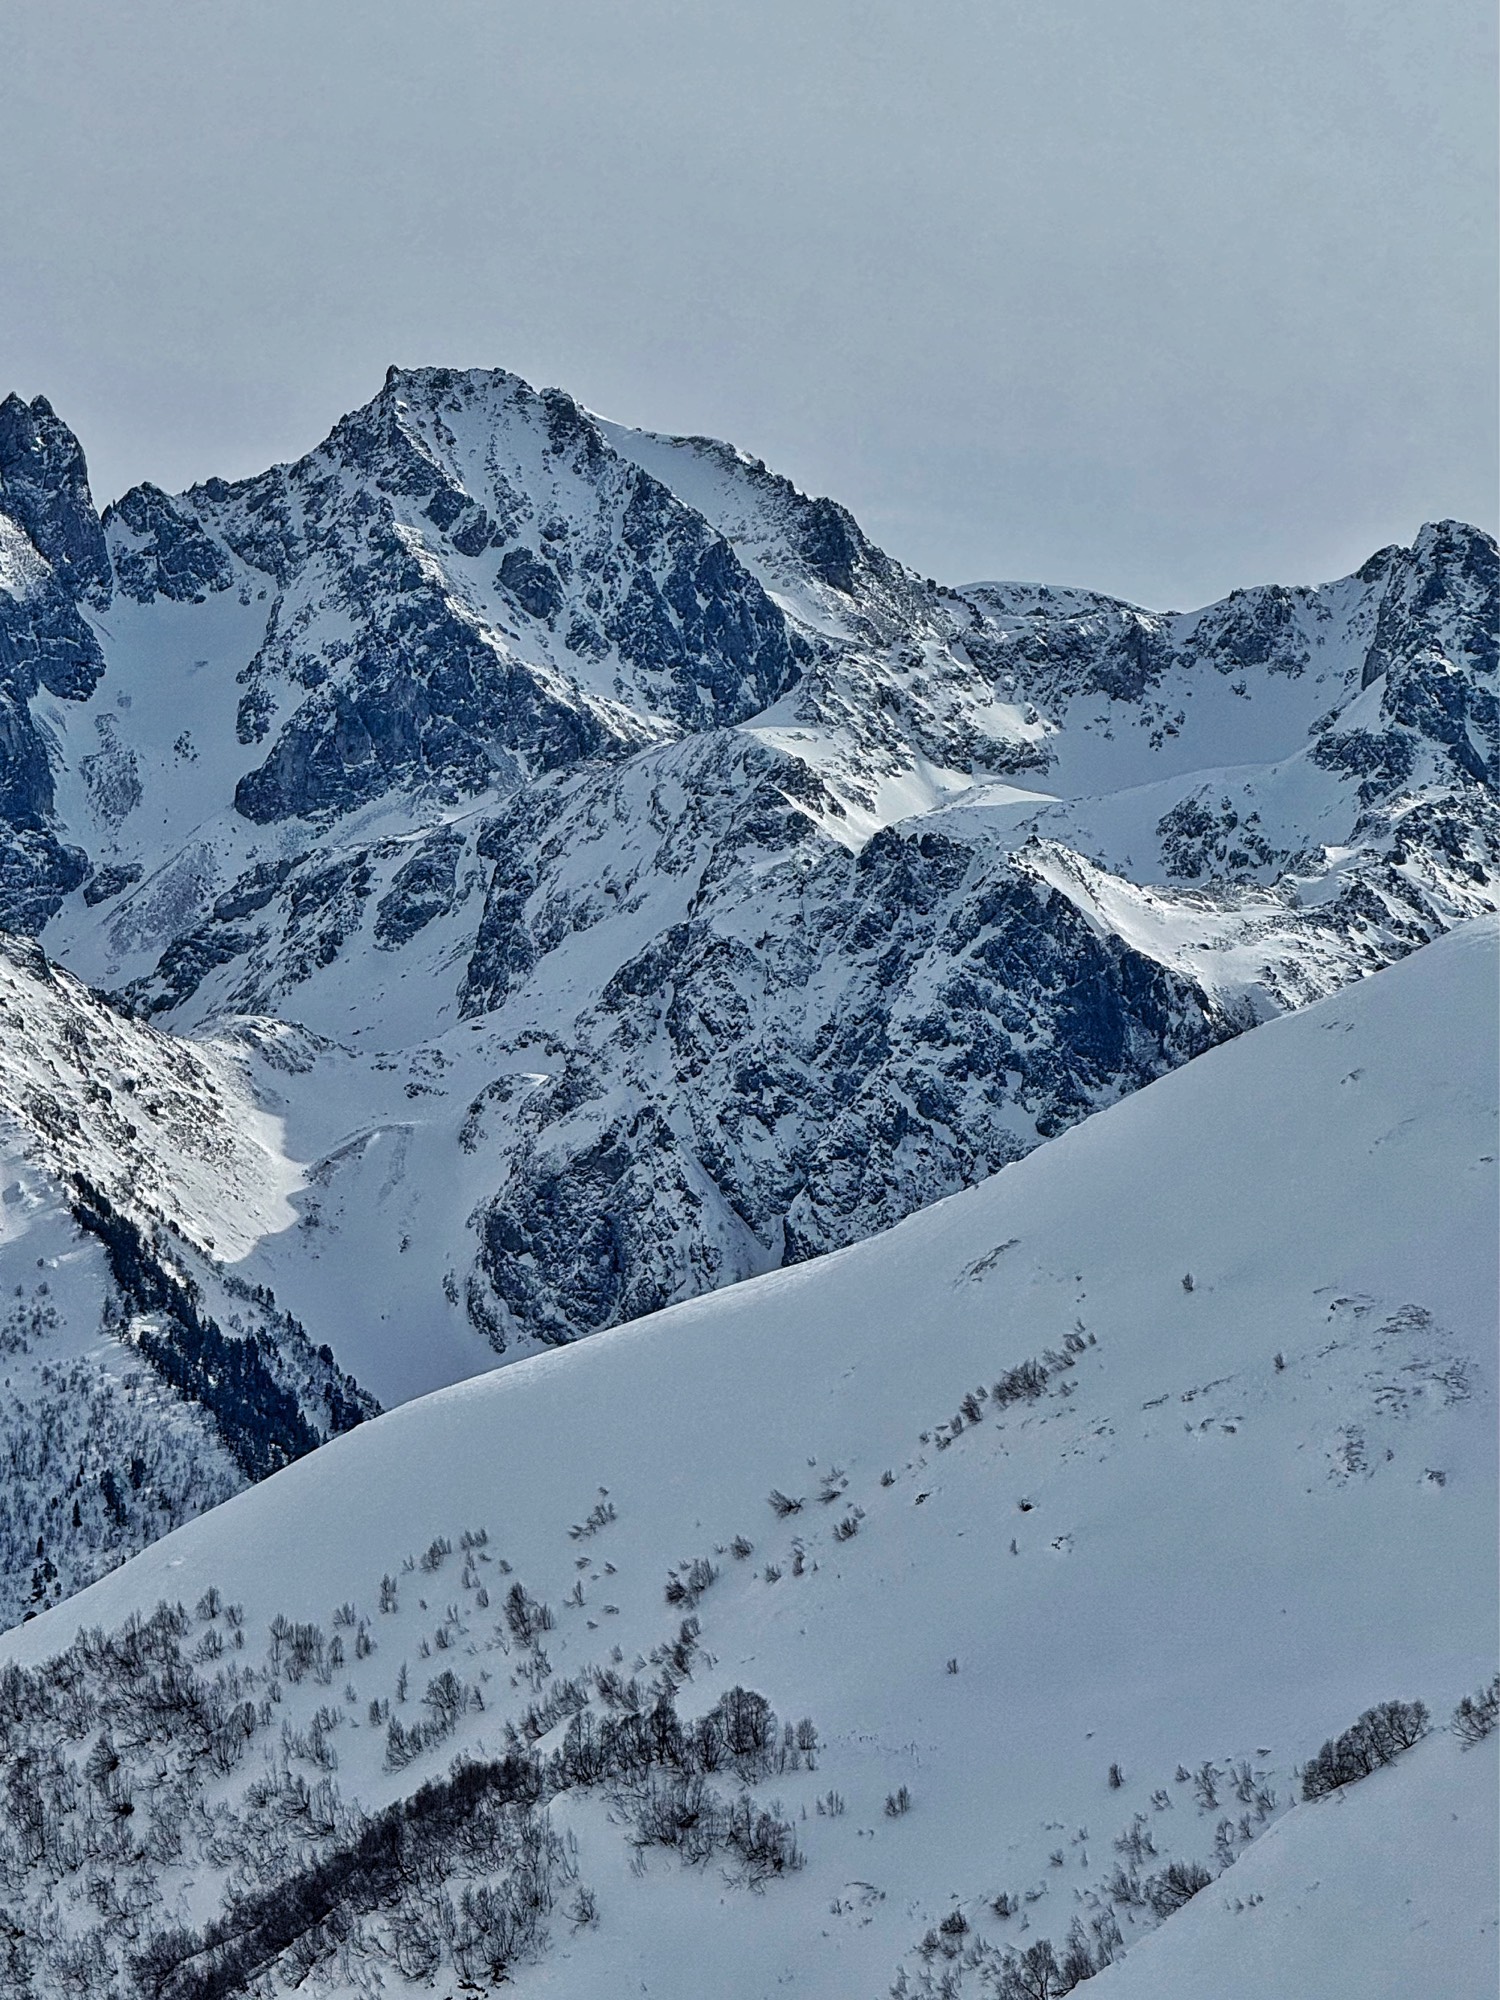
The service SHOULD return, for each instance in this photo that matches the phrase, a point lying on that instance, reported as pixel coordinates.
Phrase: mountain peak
(44, 488)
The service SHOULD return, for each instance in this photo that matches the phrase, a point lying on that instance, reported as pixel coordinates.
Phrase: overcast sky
(1160, 296)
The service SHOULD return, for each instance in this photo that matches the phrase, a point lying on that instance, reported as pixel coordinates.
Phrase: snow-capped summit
(471, 589)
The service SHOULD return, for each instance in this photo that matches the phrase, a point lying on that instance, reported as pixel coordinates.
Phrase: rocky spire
(44, 488)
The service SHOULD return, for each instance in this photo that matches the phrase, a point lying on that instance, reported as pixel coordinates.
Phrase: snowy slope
(1415, 1842)
(1239, 1512)
(144, 1378)
(157, 1122)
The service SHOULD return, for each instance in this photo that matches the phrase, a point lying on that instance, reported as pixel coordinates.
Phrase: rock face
(671, 884)
(44, 488)
(52, 561)
(451, 569)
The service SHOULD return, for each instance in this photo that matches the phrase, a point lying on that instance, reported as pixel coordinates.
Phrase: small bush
(525, 1616)
(897, 1803)
(1033, 1974)
(1136, 1840)
(1177, 1884)
(765, 1842)
(598, 1517)
(584, 1910)
(1477, 1714)
(1022, 1384)
(686, 1589)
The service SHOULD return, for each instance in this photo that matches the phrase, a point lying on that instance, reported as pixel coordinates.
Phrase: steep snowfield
(160, 1124)
(1255, 1495)
(1388, 1887)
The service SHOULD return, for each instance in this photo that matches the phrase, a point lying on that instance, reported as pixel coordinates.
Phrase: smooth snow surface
(1245, 1512)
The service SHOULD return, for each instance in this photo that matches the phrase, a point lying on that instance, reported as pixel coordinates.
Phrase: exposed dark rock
(37, 871)
(44, 487)
(532, 583)
(421, 890)
(167, 553)
(109, 881)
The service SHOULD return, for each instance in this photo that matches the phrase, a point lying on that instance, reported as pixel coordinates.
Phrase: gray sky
(1161, 296)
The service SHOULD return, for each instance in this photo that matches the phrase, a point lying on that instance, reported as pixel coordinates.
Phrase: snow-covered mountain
(589, 872)
(145, 1378)
(1073, 1514)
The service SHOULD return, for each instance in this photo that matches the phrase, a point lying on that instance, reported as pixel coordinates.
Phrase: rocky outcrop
(52, 558)
(44, 488)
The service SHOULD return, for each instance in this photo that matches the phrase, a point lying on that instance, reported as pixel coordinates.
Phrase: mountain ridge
(613, 876)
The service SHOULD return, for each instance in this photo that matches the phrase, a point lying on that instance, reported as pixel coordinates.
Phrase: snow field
(1218, 1559)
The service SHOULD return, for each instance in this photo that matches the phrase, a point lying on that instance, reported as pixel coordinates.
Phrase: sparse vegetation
(599, 1516)
(1022, 1384)
(683, 1589)
(110, 1746)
